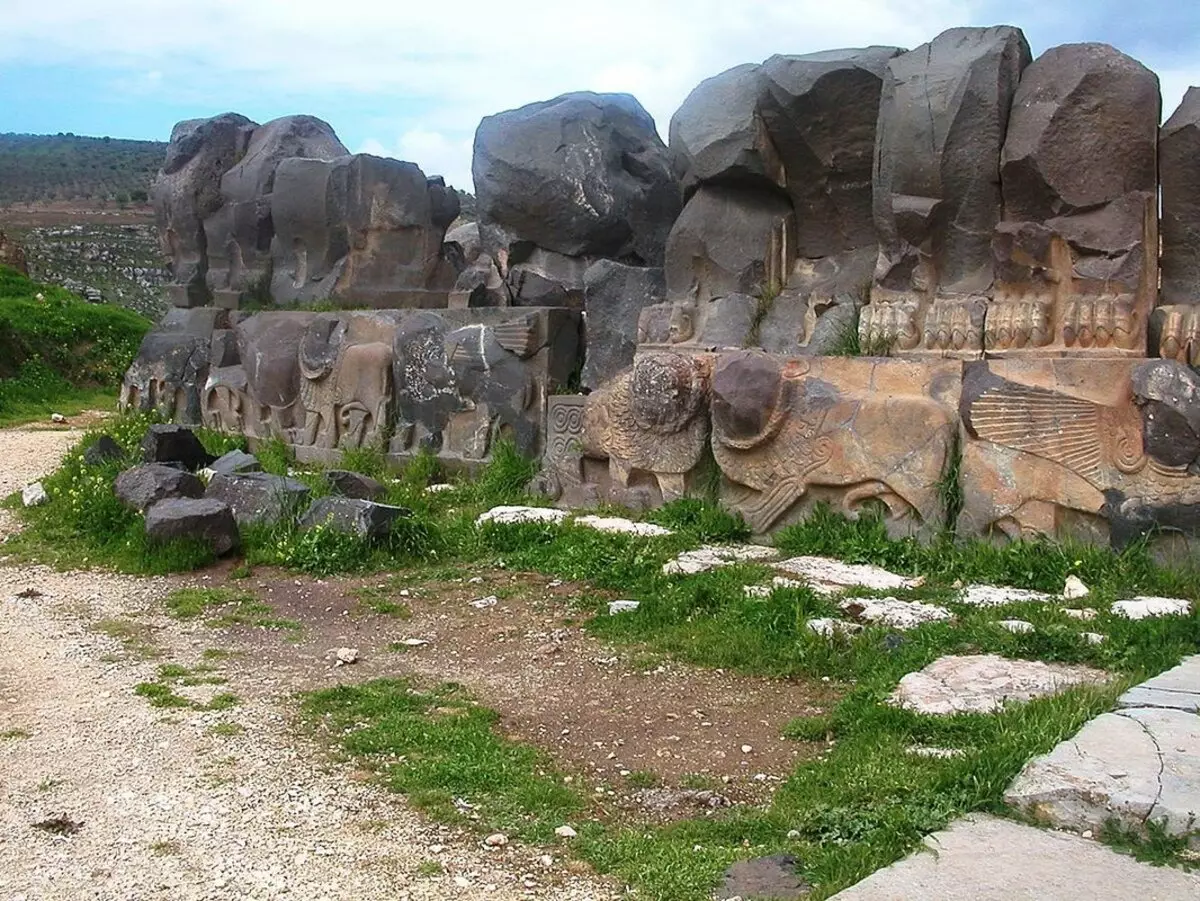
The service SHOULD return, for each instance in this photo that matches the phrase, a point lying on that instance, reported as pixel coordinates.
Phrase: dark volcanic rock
(821, 111)
(943, 116)
(269, 348)
(172, 364)
(202, 519)
(143, 486)
(614, 297)
(235, 462)
(188, 190)
(259, 497)
(360, 228)
(728, 241)
(582, 174)
(174, 444)
(355, 485)
(238, 235)
(104, 450)
(1081, 156)
(354, 516)
(718, 135)
(1169, 394)
(1179, 172)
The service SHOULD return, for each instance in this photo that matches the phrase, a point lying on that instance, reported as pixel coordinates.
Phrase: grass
(161, 692)
(135, 638)
(229, 608)
(226, 729)
(58, 353)
(429, 868)
(15, 735)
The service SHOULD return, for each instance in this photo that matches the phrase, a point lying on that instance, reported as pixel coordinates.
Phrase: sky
(412, 78)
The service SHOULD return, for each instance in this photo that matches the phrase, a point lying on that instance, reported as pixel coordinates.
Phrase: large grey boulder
(718, 135)
(943, 117)
(821, 112)
(355, 485)
(728, 241)
(1179, 173)
(259, 497)
(188, 190)
(140, 487)
(365, 519)
(614, 297)
(363, 229)
(170, 443)
(583, 175)
(235, 462)
(202, 519)
(238, 235)
(1080, 156)
(543, 278)
(269, 348)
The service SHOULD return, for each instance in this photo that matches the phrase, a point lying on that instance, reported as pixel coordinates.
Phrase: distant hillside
(65, 167)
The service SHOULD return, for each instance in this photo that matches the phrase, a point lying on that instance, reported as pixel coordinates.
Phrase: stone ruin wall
(861, 277)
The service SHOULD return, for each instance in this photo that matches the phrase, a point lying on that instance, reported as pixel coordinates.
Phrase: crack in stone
(1162, 764)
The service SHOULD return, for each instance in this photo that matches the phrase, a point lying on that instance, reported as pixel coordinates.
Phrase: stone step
(984, 858)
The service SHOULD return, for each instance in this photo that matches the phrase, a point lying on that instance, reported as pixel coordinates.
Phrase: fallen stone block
(893, 613)
(355, 484)
(235, 462)
(34, 495)
(354, 516)
(513, 515)
(713, 556)
(999, 596)
(1142, 607)
(174, 444)
(983, 683)
(828, 576)
(1177, 689)
(104, 450)
(140, 487)
(201, 519)
(259, 497)
(621, 526)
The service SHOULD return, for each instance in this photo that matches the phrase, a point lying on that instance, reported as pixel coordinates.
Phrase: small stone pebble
(496, 840)
(565, 832)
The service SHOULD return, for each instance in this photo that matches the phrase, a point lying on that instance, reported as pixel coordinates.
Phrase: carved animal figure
(346, 390)
(778, 430)
(651, 419)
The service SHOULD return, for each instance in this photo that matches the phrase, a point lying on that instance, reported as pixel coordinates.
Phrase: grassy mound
(57, 352)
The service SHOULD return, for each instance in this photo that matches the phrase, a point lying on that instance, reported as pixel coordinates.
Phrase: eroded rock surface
(983, 683)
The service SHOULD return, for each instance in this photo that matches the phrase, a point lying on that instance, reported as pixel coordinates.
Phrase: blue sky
(411, 78)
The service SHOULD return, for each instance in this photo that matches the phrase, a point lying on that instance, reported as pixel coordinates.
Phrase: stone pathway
(983, 858)
(1139, 763)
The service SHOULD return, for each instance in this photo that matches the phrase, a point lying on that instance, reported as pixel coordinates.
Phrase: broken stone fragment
(142, 486)
(365, 519)
(206, 520)
(259, 497)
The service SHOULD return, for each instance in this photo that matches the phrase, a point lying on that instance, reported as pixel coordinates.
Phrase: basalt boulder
(821, 112)
(238, 235)
(140, 487)
(202, 519)
(943, 117)
(729, 240)
(259, 497)
(718, 135)
(169, 443)
(1179, 171)
(582, 175)
(363, 518)
(172, 364)
(188, 190)
(614, 297)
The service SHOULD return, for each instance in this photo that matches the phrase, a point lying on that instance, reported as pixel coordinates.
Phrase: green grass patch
(59, 353)
(14, 735)
(436, 746)
(161, 692)
(228, 606)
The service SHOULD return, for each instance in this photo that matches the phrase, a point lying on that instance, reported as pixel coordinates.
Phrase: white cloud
(432, 70)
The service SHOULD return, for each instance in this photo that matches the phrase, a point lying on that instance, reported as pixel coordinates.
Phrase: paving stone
(894, 613)
(621, 526)
(829, 576)
(716, 556)
(984, 858)
(1143, 607)
(766, 878)
(1177, 688)
(1016, 626)
(999, 596)
(828, 627)
(1135, 766)
(983, 683)
(512, 515)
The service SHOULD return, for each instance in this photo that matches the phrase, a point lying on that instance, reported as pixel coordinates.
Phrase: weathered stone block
(202, 519)
(614, 297)
(582, 175)
(174, 444)
(354, 516)
(355, 485)
(259, 497)
(143, 486)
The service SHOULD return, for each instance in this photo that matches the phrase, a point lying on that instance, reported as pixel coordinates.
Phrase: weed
(14, 735)
(226, 729)
(429, 868)
(949, 485)
(160, 695)
(232, 608)
(134, 637)
(1153, 845)
(765, 296)
(642, 779)
(50, 783)
(164, 848)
